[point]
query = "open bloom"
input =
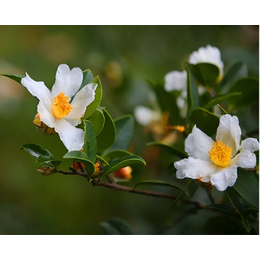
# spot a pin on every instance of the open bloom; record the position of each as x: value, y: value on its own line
x: 177, y: 80
x: 63, y: 106
x: 217, y: 161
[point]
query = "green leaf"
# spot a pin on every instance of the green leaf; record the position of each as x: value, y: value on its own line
x: 15, y: 77
x: 81, y: 157
x: 233, y: 72
x: 116, y: 226
x: 162, y: 183
x: 249, y: 87
x: 87, y: 77
x: 206, y: 73
x: 248, y: 187
x: 124, y: 133
x: 42, y: 160
x: 234, y: 199
x: 205, y: 120
x: 115, y: 154
x: 98, y: 120
x: 36, y: 151
x: 221, y: 98
x: 90, y: 142
x: 102, y: 160
x: 98, y: 96
x: 221, y: 207
x: 123, y: 162
x: 107, y: 136
x: 170, y: 149
x: 192, y: 91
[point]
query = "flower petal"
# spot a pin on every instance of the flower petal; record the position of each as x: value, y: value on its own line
x: 72, y: 137
x: 45, y: 115
x: 198, y: 144
x: 80, y: 102
x: 229, y: 132
x: 194, y: 169
x: 145, y: 115
x: 250, y: 144
x: 175, y: 80
x: 225, y: 178
x: 245, y: 159
x: 38, y: 89
x: 67, y: 81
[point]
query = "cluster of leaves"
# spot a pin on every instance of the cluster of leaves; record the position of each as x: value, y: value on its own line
x: 235, y: 92
x: 106, y: 140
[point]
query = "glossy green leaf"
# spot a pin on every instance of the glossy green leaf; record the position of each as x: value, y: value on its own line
x: 205, y: 120
x: 98, y: 120
x: 15, y: 77
x: 248, y: 187
x: 206, y: 73
x: 169, y: 149
x: 115, y: 154
x: 81, y: 157
x: 249, y: 87
x: 123, y: 162
x: 233, y: 72
x: 192, y: 91
x: 107, y: 136
x: 43, y: 160
x: 36, y: 151
x: 221, y: 98
x: 162, y: 183
x: 90, y: 142
x: 102, y: 160
x: 87, y: 77
x: 124, y: 133
x: 116, y: 227
x: 98, y: 97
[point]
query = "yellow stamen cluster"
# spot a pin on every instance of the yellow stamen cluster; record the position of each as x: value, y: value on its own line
x: 220, y: 153
x: 61, y: 106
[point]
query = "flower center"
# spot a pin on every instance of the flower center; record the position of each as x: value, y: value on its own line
x: 220, y: 153
x: 61, y: 106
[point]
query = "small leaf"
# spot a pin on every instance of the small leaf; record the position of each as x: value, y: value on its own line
x: 123, y: 162
x: 170, y: 149
x: 98, y: 96
x: 15, y: 77
x: 248, y: 187
x: 162, y: 183
x: 42, y: 160
x: 206, y: 73
x: 115, y: 154
x: 90, y: 143
x: 107, y: 136
x: 124, y: 133
x: 205, y: 120
x: 87, y: 77
x: 81, y: 157
x: 36, y: 151
x: 98, y: 120
x: 116, y: 227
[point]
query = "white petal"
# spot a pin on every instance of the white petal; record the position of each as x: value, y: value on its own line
x: 67, y: 81
x: 207, y: 54
x: 194, y: 169
x: 145, y: 115
x: 245, y: 159
x: 38, y: 89
x: 45, y: 115
x: 198, y: 144
x: 250, y: 144
x: 229, y: 132
x: 72, y: 137
x: 80, y: 102
x: 175, y: 80
x: 225, y: 178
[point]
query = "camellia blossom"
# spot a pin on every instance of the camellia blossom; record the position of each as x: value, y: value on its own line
x: 177, y: 80
x: 217, y: 161
x: 63, y: 107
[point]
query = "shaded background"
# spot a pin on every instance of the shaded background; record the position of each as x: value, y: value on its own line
x: 124, y: 57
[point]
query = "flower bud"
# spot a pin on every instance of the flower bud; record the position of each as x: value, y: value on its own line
x: 123, y: 174
x: 46, y: 170
x: 42, y: 127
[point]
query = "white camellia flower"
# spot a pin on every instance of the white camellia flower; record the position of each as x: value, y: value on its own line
x: 57, y: 109
x: 144, y: 115
x: 217, y: 162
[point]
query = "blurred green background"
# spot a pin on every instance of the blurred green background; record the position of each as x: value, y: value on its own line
x: 124, y: 57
